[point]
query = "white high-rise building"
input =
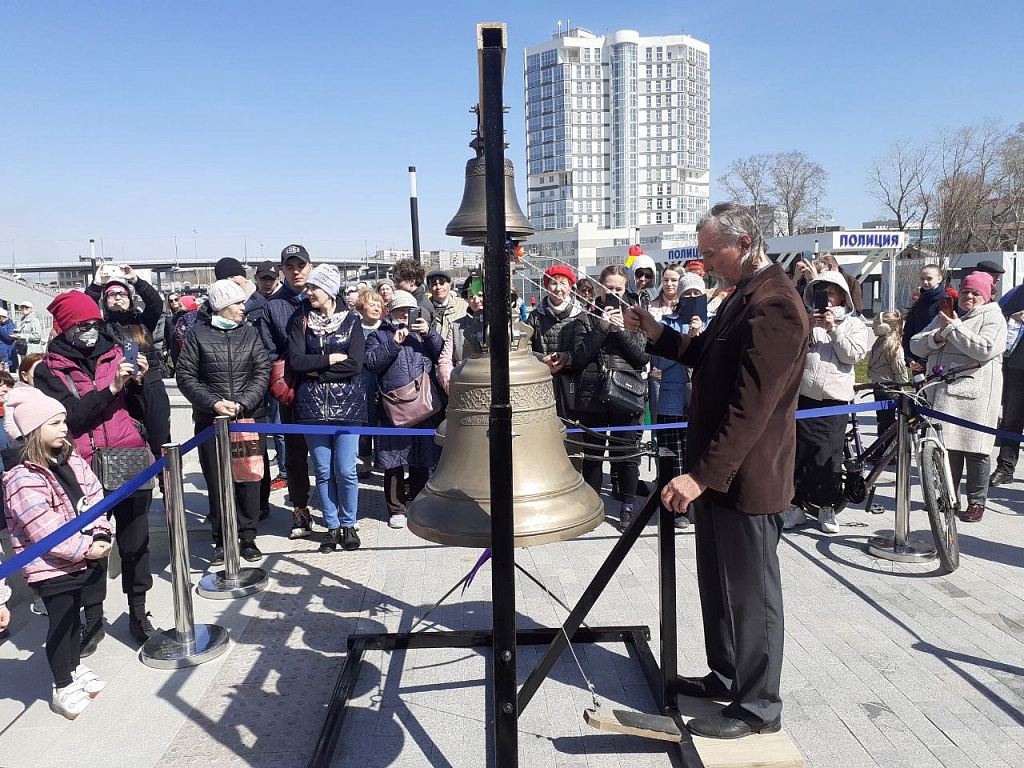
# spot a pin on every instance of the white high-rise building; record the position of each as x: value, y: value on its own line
x: 617, y: 131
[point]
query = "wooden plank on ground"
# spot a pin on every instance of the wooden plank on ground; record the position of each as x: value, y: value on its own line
x: 769, y: 750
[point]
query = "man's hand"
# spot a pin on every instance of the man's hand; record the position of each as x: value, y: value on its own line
x: 680, y: 492
x: 639, y: 319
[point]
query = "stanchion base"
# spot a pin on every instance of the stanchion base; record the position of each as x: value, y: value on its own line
x: 913, y: 551
x: 216, y: 586
x: 164, y: 651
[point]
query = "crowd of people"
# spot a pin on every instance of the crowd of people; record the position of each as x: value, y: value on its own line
x: 305, y: 349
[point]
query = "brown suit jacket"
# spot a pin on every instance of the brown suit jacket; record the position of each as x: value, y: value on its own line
x: 747, y: 366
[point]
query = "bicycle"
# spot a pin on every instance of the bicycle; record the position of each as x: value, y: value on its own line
x: 863, y: 466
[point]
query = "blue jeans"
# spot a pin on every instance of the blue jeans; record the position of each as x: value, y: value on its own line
x: 334, y: 465
x: 274, y: 417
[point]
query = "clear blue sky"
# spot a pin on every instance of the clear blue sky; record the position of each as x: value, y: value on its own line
x: 265, y: 123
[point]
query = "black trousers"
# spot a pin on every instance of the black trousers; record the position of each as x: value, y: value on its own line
x: 394, y: 487
x: 296, y: 456
x: 131, y: 531
x: 741, y: 604
x: 62, y: 596
x: 1012, y: 419
x: 627, y: 471
x: 819, y: 456
x: 247, y: 495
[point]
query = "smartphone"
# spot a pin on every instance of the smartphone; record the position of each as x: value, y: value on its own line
x: 691, y: 307
x: 131, y: 354
x: 608, y: 300
x: 476, y: 285
x: 821, y: 300
x: 414, y: 315
x: 946, y: 306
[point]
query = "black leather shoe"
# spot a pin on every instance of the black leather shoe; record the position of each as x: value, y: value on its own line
x: 721, y: 726
x: 140, y: 627
x: 1001, y: 477
x: 707, y: 687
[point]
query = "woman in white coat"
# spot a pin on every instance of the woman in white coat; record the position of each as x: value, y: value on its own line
x: 976, y: 333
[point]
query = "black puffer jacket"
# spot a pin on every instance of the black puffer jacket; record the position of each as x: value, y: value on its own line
x: 325, y: 392
x: 217, y: 364
x: 592, y: 347
x: 551, y: 332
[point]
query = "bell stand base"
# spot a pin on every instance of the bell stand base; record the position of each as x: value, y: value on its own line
x: 910, y: 551
x: 217, y: 586
x: 165, y: 651
x: 662, y: 679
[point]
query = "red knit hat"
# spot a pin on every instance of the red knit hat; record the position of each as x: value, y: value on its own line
x: 560, y: 270
x: 73, y: 307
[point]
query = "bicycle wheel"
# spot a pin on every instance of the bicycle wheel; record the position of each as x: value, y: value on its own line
x: 941, y: 509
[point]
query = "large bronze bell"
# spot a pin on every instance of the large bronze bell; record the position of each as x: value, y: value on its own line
x: 470, y: 223
x: 551, y: 501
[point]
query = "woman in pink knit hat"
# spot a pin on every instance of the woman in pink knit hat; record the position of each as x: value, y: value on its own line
x: 51, y: 486
x: 974, y: 333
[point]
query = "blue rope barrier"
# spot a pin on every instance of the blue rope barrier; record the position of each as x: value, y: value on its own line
x: 1016, y: 437
x: 70, y: 528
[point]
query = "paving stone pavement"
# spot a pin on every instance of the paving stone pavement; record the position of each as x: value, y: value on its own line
x: 886, y: 664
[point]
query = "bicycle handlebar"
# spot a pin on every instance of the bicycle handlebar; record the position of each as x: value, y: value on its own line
x: 934, y: 377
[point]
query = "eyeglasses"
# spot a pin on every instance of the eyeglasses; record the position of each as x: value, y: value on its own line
x: 88, y: 325
x: 117, y: 294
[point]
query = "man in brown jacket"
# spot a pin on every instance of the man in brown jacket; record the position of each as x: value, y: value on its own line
x: 741, y: 446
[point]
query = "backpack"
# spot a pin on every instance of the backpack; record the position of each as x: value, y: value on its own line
x: 182, y: 330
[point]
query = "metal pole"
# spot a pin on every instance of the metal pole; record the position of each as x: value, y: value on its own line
x: 414, y: 212
x: 233, y: 581
x: 187, y: 644
x: 901, y: 548
x: 891, y: 297
x: 667, y: 585
x: 491, y: 45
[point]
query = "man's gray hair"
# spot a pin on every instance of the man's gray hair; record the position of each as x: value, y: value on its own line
x: 735, y: 220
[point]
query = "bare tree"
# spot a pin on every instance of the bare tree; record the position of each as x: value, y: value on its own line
x: 787, y: 182
x: 798, y: 184
x: 900, y: 181
x: 965, y: 191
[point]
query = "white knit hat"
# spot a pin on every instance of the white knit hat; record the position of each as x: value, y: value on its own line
x: 327, y: 278
x: 403, y: 299
x: 224, y: 293
x: 688, y: 281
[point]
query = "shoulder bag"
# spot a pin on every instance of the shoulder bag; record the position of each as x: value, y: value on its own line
x: 624, y: 392
x: 115, y: 466
x: 412, y: 403
x: 246, y: 456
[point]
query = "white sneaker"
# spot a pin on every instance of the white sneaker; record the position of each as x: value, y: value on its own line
x: 827, y: 520
x: 38, y: 607
x: 396, y: 521
x: 70, y: 701
x: 89, y: 680
x: 792, y: 516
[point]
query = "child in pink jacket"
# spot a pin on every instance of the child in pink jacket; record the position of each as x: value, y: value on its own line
x: 51, y: 486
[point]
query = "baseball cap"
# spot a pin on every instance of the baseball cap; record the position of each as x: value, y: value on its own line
x: 295, y: 251
x: 266, y: 269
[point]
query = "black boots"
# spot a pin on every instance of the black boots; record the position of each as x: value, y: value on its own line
x: 331, y: 539
x: 139, y: 625
x: 350, y: 539
x: 92, y: 633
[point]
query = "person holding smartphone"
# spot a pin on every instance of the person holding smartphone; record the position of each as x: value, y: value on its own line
x: 601, y: 344
x: 398, y: 353
x: 459, y: 343
x: 839, y: 340
x: 553, y: 329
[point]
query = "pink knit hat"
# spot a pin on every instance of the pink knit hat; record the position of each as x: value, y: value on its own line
x: 981, y: 282
x: 31, y: 408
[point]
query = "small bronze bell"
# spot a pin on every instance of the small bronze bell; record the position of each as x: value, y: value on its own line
x: 470, y: 223
x: 551, y: 501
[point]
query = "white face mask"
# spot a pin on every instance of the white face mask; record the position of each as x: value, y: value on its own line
x: 85, y: 339
x: 838, y: 314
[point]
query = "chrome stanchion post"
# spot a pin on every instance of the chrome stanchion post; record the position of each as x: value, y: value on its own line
x: 187, y: 644
x: 233, y: 581
x: 900, y: 547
